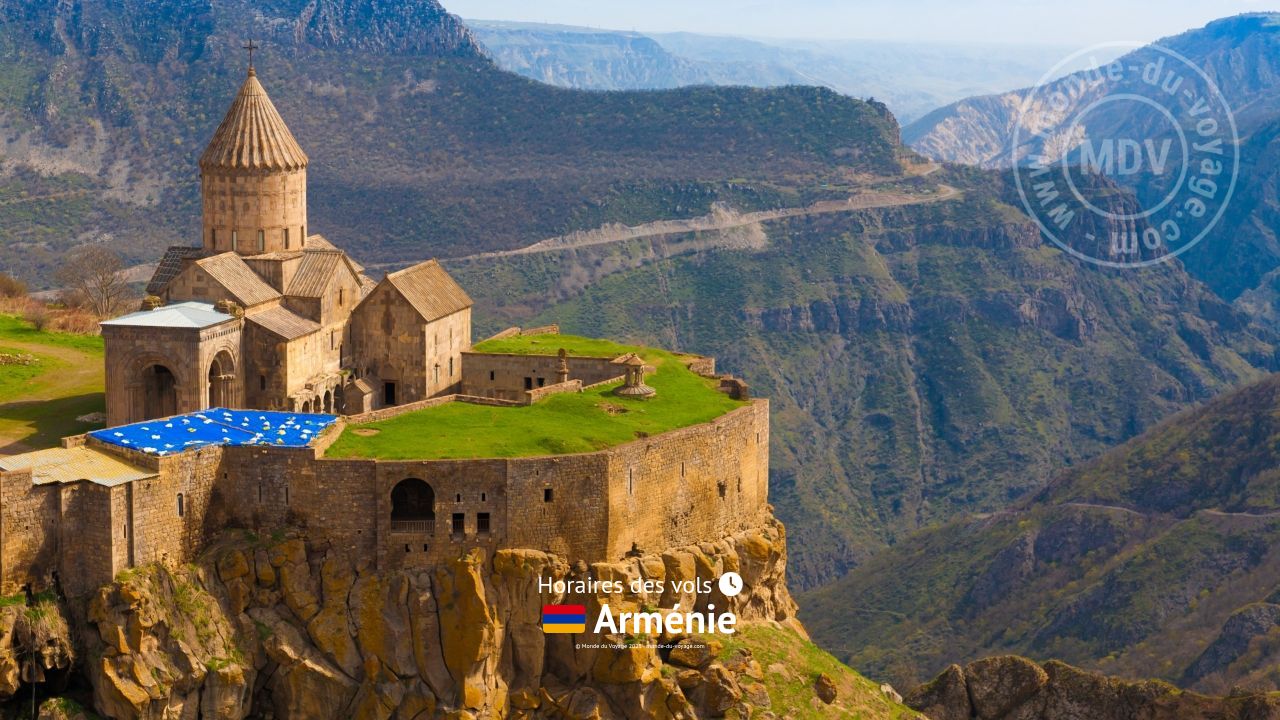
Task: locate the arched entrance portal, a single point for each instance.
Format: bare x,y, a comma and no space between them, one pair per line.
222,379
413,507
328,401
159,392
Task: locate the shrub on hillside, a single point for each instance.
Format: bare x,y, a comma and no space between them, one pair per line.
11,287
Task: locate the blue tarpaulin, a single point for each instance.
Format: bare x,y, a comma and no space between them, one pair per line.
217,426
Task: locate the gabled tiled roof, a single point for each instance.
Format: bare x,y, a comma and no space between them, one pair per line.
314,273
253,136
318,242
170,265
430,290
282,322
234,274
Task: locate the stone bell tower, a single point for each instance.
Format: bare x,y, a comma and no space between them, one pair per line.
253,179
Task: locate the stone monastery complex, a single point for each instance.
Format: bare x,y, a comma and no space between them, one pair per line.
257,349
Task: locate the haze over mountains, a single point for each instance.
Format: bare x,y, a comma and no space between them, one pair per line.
911,78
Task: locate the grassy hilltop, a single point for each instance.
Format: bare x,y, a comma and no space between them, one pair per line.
47,380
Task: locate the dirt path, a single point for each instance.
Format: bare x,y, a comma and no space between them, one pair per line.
85,368
38,198
720,219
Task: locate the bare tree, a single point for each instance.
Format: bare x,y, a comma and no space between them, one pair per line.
97,275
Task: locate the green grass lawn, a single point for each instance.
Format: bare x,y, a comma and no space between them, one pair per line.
551,344
566,423
17,329
40,403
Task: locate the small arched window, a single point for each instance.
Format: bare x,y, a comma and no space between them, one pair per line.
182,510
262,240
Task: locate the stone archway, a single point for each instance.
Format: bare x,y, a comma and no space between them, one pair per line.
222,379
413,507
328,401
159,389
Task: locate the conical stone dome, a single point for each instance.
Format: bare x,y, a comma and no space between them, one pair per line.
253,136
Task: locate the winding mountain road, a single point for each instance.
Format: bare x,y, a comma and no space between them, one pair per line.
719,218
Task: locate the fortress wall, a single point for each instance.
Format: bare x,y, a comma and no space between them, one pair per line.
574,522
502,376
28,531
461,487
161,531
86,534
690,485
269,487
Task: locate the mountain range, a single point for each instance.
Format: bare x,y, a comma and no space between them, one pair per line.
912,78
421,146
1238,259
1155,560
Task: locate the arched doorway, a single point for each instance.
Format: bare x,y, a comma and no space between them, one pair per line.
339,403
306,406
159,392
328,401
413,507
222,380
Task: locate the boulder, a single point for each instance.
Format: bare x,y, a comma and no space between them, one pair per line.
825,688
946,697
690,653
997,685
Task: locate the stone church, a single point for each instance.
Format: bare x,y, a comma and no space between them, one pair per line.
264,314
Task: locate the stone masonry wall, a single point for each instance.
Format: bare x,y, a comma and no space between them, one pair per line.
28,531
507,377
688,485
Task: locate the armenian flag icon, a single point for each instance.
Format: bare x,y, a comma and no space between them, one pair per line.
564,619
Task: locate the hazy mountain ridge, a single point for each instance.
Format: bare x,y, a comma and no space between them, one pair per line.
1239,54
911,78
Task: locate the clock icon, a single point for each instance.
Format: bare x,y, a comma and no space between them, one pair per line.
730,584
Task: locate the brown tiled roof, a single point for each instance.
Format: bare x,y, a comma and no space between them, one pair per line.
253,136
283,322
430,290
314,273
231,271
318,242
170,265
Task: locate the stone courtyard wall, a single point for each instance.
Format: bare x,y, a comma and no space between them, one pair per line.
503,376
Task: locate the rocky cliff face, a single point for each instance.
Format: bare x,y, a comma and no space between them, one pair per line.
283,628
1014,688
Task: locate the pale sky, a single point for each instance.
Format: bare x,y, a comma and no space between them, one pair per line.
1049,22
